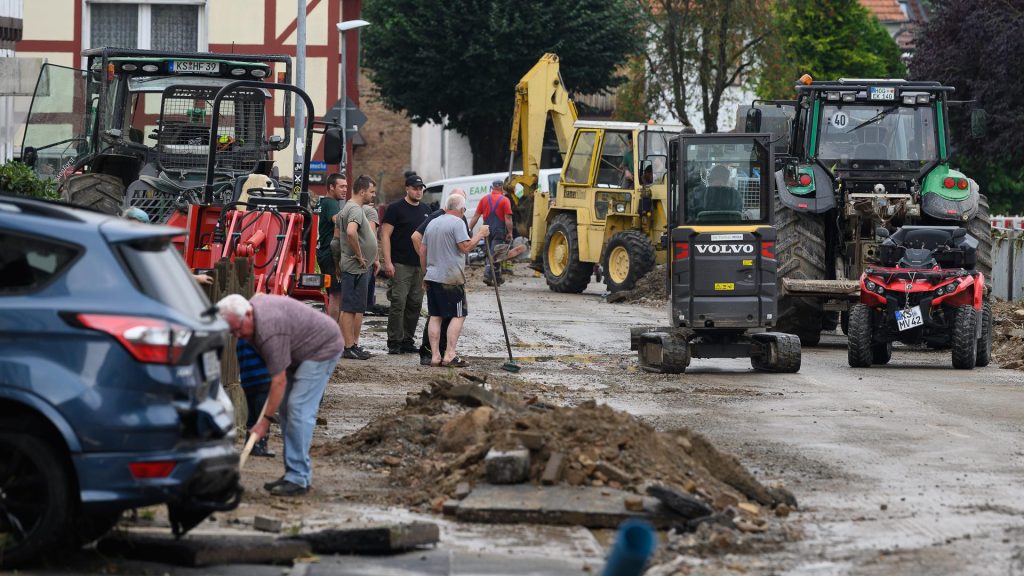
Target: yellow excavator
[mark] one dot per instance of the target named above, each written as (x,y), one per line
(610,203)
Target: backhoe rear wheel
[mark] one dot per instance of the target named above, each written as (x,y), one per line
(101,192)
(563,269)
(800,250)
(627,257)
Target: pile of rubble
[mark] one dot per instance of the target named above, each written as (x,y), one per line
(1008,334)
(461,434)
(649,289)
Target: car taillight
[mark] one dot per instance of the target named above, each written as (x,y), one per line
(682,251)
(148,340)
(146,470)
(768,250)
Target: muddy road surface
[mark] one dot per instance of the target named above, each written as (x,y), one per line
(910,468)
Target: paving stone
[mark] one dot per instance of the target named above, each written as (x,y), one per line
(507,466)
(557,505)
(196,550)
(462,489)
(266,524)
(372,539)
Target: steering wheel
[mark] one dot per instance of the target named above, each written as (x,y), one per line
(270,192)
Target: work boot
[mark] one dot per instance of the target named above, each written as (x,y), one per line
(271,485)
(286,488)
(261,449)
(355,353)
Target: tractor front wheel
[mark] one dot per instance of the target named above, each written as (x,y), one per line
(627,257)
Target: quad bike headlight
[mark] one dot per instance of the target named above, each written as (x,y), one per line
(871,285)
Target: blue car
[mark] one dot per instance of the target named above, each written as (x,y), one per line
(110,391)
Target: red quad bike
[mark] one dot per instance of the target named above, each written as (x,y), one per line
(926,290)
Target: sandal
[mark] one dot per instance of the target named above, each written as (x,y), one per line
(456,362)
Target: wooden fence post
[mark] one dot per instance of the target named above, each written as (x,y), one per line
(232,277)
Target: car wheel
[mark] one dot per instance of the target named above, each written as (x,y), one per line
(35,497)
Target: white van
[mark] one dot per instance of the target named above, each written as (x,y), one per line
(477,186)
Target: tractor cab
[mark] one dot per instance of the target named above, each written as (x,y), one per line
(133,115)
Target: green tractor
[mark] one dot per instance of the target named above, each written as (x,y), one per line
(853,155)
(132,129)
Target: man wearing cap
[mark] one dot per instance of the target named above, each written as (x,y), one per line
(402,266)
(496,210)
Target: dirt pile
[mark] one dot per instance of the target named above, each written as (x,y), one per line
(441,436)
(650,289)
(1008,334)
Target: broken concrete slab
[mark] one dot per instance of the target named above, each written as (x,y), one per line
(557,505)
(372,539)
(553,469)
(204,549)
(507,466)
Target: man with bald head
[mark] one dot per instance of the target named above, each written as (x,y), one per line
(417,239)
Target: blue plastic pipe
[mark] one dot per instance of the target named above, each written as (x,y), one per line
(634,545)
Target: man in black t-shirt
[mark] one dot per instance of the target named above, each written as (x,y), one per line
(417,237)
(402,266)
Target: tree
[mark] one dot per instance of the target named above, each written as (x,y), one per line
(975,46)
(698,50)
(459,61)
(828,39)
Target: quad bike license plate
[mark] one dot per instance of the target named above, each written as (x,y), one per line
(194,67)
(909,318)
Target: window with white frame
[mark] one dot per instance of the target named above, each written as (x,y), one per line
(166,25)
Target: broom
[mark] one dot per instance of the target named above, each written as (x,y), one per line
(509,366)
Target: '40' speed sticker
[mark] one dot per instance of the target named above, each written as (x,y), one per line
(840,119)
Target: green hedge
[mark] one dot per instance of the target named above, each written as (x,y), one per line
(17,178)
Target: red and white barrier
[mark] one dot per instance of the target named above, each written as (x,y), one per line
(1008,222)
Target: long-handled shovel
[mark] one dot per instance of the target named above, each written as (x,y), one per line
(509,366)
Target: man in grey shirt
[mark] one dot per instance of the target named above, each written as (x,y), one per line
(442,253)
(358,264)
(301,347)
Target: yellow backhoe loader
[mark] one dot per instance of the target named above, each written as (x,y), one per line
(610,203)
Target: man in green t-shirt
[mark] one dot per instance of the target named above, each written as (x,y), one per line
(357,265)
(328,207)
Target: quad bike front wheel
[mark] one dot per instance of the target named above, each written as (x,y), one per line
(965,340)
(860,353)
(984,355)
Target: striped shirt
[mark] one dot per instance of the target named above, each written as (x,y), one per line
(251,369)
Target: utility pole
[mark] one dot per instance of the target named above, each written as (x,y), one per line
(343,27)
(300,81)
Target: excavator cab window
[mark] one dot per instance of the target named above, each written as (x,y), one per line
(578,170)
(617,161)
(722,181)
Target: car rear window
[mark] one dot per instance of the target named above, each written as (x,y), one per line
(161,274)
(29,263)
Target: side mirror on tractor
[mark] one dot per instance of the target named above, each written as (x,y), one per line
(979,123)
(752,124)
(29,156)
(334,145)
